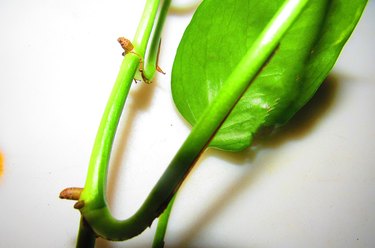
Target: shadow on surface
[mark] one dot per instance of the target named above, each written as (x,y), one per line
(308,117)
(102,243)
(298,127)
(301,124)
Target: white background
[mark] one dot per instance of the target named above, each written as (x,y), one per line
(313,185)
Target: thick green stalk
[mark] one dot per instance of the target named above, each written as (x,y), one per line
(96,211)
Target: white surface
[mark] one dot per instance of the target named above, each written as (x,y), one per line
(311,186)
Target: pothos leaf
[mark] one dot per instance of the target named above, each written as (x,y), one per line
(219,35)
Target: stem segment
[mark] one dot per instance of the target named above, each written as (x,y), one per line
(94,191)
(153,51)
(86,237)
(145,26)
(162,226)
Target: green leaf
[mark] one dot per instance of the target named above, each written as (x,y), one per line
(219,35)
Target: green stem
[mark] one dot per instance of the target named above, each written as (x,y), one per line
(162,226)
(94,190)
(86,237)
(96,211)
(153,50)
(145,26)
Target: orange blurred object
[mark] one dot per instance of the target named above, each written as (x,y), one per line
(1,164)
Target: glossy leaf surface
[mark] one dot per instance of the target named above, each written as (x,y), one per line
(218,37)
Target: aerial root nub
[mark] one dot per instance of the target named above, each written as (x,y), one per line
(72,193)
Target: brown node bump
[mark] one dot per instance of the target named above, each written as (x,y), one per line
(79,204)
(125,44)
(72,193)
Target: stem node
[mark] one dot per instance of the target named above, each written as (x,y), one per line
(79,204)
